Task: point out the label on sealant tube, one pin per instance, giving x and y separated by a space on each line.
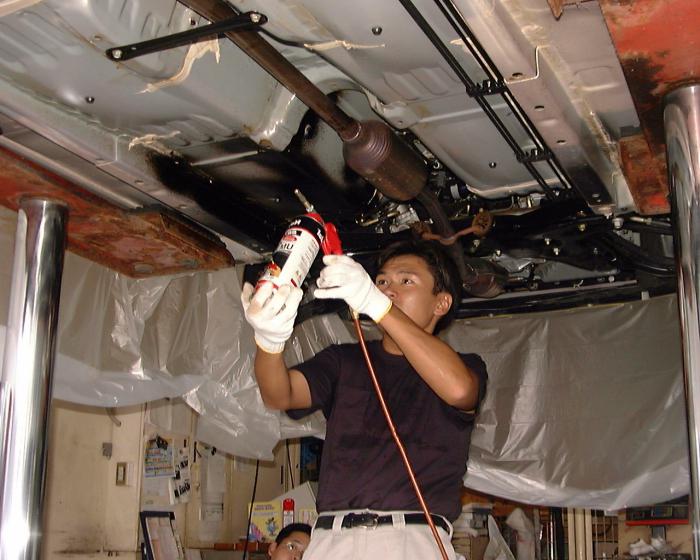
295 252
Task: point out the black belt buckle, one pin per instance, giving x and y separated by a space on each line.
366 520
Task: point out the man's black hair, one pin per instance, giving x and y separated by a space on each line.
293 528
445 273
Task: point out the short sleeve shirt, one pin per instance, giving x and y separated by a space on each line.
361 466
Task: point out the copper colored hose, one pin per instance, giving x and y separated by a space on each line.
481 225
448 240
397 439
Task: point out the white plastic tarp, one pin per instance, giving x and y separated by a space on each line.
123 341
584 408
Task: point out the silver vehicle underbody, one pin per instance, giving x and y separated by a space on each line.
516 108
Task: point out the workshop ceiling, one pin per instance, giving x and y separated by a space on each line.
547 114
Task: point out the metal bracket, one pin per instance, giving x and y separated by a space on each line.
248 21
533 155
487 87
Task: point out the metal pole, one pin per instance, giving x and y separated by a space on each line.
25 385
682 124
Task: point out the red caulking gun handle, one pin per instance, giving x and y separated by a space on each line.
331 244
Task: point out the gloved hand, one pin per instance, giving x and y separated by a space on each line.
344 278
271 313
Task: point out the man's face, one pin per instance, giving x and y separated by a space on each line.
291 548
408 282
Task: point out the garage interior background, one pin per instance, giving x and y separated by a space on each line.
167 323
123 342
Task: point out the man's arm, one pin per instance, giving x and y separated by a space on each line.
434 360
439 366
280 388
271 313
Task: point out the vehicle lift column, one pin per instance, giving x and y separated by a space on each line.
682 124
25 385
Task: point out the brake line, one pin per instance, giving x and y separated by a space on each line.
395 435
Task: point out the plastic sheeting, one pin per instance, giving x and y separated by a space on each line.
584 408
123 341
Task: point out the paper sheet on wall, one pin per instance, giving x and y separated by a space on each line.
158 459
181 483
213 478
213 488
155 493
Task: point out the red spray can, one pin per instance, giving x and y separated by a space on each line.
296 251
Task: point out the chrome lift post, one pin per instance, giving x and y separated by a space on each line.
25 385
682 125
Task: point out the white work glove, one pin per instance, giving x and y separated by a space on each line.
344 278
271 313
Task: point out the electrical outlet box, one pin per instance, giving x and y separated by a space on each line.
125 474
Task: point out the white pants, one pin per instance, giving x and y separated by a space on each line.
396 541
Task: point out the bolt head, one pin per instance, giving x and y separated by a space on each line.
582 227
255 17
117 54
556 250
377 30
547 240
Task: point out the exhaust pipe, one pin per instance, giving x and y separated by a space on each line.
378 155
371 148
484 279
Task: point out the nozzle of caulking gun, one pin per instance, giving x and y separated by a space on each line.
309 207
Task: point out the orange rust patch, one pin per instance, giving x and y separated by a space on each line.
658 45
135 243
646 176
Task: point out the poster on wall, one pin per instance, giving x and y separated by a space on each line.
158 459
167 479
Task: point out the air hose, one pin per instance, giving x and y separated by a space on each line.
395 435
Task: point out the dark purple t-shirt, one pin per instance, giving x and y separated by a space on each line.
361 466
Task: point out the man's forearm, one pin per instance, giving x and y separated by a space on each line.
434 360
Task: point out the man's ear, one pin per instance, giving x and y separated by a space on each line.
272 549
443 304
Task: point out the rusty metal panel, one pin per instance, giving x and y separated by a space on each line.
658 45
646 175
557 6
135 243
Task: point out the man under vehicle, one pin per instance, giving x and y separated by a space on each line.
367 506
